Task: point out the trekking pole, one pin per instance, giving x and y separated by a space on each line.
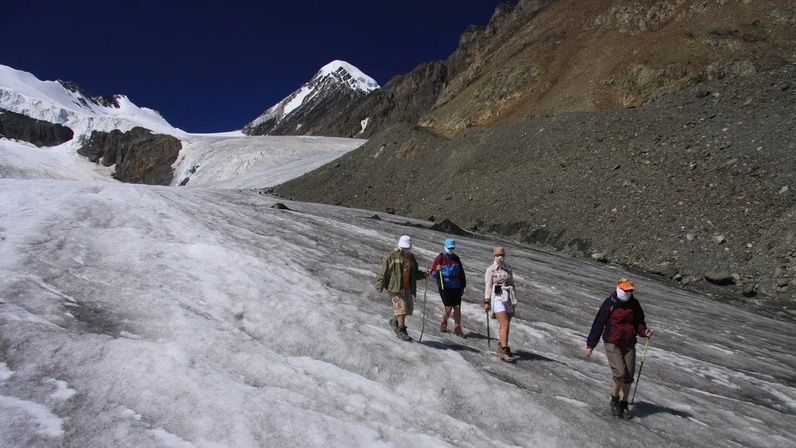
643 357
423 325
488 337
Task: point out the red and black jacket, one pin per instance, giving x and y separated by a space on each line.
617 322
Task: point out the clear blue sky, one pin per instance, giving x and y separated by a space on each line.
211 66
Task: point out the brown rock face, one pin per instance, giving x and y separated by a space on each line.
550 57
141 157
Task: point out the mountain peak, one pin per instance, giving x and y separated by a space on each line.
83 96
349 74
335 86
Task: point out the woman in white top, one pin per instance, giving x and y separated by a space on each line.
499 297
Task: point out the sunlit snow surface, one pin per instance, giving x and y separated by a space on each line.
199 316
233 160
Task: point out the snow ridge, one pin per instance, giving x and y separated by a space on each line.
67 104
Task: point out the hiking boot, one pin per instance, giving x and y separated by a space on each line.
443 327
401 334
505 353
616 408
624 412
395 328
458 331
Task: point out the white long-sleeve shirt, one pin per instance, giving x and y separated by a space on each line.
497 275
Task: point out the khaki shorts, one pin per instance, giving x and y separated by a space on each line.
403 302
622 361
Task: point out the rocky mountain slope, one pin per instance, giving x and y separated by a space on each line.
544 57
660 137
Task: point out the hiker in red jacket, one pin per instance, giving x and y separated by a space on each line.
618 321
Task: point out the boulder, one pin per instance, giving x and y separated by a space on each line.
719 278
666 270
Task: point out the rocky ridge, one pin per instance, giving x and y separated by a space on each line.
140 156
38 132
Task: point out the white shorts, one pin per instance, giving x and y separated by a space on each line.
499 306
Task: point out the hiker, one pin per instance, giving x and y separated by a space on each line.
398 274
499 297
448 273
619 320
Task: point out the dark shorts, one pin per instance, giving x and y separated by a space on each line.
451 296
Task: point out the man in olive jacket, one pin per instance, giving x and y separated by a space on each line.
398 274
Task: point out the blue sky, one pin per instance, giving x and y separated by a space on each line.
214 66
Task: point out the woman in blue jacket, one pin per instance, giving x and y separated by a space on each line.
448 272
618 321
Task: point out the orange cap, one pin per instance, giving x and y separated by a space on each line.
625 284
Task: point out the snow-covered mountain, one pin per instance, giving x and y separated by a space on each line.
335 87
67 104
102 131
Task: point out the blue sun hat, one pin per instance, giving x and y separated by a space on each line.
450 244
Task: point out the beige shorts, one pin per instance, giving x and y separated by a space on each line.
403 303
622 361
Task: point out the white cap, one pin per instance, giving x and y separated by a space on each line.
405 242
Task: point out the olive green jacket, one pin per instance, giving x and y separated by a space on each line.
389 276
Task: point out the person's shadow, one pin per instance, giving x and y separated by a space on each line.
522 355
448 344
643 409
